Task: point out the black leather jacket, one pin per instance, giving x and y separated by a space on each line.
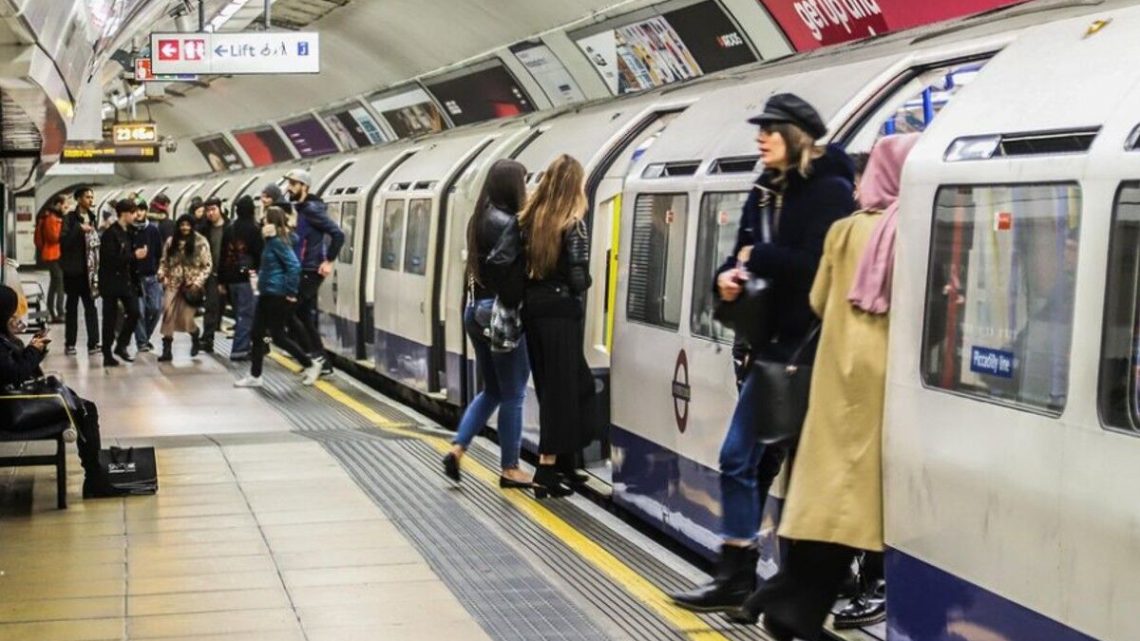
489 229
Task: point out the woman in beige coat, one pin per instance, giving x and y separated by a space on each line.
185 266
834 507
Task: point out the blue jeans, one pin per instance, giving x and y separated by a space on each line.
504 387
747 469
242 300
150 310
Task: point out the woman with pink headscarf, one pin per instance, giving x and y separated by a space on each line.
834 507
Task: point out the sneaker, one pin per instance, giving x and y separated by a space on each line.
863 611
311 374
94 349
146 347
249 381
69 350
238 357
327 370
124 355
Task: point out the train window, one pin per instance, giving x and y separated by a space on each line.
716 237
419 228
392 241
1119 390
657 259
348 226
999 296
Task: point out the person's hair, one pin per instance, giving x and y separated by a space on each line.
801 147
243 207
188 248
557 204
58 201
277 217
81 190
859 159
195 203
505 188
125 205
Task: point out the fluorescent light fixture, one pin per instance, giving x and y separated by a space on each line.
229 11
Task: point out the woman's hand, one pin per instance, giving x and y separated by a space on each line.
728 284
39 342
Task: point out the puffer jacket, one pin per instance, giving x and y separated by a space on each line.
280 272
808 208
313 224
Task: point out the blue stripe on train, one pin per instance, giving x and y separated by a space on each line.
925 603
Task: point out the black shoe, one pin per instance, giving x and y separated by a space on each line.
124 354
735 579
207 346
109 361
864 610
195 345
94 349
777 631
548 483
511 484
146 347
451 467
69 350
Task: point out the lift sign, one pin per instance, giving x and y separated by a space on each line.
991 362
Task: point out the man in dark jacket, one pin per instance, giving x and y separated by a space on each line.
119 282
161 216
313 226
77 238
213 228
148 234
241 255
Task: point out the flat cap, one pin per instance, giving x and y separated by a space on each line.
790 108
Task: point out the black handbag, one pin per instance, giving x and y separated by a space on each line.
133 469
38 407
779 392
194 296
750 315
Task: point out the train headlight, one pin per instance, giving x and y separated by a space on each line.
972 148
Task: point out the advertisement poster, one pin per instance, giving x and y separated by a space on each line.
485 93
263 146
409 112
640 56
309 137
811 24
549 72
353 127
712 38
219 153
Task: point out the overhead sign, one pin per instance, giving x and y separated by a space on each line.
101 151
236 53
135 133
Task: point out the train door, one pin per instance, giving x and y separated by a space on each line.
347 270
328 294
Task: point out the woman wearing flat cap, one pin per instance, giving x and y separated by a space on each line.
803 189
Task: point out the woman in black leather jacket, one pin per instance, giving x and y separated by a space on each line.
557 249
20 363
504 373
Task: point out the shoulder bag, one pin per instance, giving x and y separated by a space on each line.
779 392
39 407
749 316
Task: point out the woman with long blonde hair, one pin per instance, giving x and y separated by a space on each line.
557 248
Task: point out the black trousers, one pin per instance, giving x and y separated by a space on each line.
304 328
213 317
89 441
111 305
799 597
269 320
78 289
55 290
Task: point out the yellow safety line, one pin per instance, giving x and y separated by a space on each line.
690 624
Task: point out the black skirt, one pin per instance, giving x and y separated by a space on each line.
567 398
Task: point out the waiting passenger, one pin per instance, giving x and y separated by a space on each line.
271 196
79 258
278 280
504 372
20 363
185 268
214 231
801 192
834 507
119 283
241 253
314 228
47 237
557 248
149 235
161 216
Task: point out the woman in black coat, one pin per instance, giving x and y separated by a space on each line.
558 273
803 190
20 363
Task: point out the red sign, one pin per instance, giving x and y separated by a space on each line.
169 50
1003 221
194 49
811 24
143 70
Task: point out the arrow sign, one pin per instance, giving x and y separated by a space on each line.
168 49
264 52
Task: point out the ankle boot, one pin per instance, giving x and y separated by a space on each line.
548 482
195 344
167 351
735 579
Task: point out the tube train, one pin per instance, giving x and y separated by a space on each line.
1013 396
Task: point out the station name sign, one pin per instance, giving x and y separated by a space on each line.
266 52
103 151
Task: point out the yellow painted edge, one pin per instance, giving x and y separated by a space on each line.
688 623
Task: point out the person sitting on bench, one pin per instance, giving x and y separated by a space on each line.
20 363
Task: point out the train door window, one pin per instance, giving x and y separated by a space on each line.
392 242
419 229
348 226
1119 390
911 104
999 296
333 211
716 238
657 259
